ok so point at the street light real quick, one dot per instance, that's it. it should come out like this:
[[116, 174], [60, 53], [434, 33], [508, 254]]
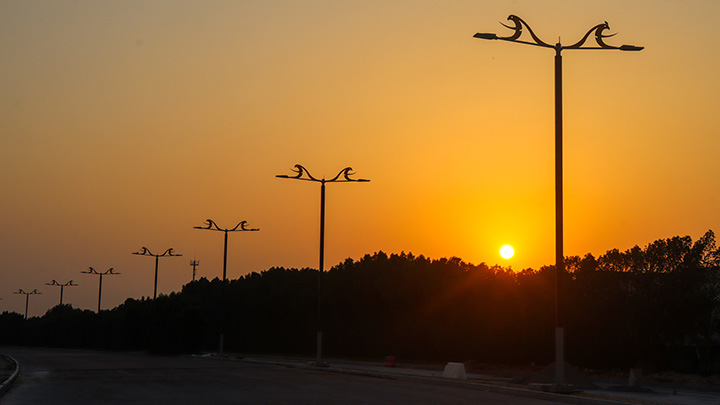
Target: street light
[[212, 226], [109, 272], [62, 286], [146, 252], [303, 174], [559, 255], [27, 298]]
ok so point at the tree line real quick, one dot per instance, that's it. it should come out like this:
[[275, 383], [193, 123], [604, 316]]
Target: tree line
[[657, 306]]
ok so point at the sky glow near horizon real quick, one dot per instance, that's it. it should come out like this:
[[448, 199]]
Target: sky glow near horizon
[[125, 124]]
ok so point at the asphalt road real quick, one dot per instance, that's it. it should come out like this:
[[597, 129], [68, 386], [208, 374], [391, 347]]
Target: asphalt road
[[59, 376]]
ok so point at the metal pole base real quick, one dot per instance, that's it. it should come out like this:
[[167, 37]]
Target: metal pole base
[[220, 350], [559, 355], [319, 362]]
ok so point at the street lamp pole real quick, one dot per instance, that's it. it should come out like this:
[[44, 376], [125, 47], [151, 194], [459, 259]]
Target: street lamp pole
[[302, 173], [109, 272], [146, 252], [598, 30], [62, 286], [212, 226], [27, 298]]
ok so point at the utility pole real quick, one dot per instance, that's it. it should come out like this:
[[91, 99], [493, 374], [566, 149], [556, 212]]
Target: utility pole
[[194, 263]]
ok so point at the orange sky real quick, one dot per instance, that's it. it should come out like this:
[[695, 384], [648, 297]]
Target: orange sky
[[125, 124]]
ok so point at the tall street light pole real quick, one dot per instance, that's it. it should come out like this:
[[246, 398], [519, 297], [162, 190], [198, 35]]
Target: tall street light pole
[[210, 225], [302, 173], [146, 252], [27, 298], [62, 286], [108, 272], [598, 30]]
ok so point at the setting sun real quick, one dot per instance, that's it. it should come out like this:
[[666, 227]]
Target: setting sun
[[406, 113], [507, 251]]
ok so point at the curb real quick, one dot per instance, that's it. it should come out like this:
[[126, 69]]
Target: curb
[[7, 384], [520, 392]]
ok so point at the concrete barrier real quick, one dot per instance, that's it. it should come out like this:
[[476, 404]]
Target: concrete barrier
[[455, 371]]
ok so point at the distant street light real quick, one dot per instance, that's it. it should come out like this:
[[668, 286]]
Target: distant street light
[[146, 252], [212, 226], [27, 298], [109, 272], [62, 286], [559, 255], [300, 173]]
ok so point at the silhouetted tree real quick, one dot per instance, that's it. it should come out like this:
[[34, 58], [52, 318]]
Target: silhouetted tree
[[657, 305]]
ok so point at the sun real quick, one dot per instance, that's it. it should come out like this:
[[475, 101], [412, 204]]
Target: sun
[[507, 251]]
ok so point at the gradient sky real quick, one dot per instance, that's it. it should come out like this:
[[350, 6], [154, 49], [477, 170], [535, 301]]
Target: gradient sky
[[126, 123]]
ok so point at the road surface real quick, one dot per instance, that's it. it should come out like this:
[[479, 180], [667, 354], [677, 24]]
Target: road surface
[[60, 376]]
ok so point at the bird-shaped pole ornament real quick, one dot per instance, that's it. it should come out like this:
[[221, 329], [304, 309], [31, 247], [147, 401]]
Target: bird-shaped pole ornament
[[519, 23]]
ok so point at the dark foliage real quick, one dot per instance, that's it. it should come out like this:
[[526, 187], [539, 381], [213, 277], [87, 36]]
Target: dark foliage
[[657, 306]]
